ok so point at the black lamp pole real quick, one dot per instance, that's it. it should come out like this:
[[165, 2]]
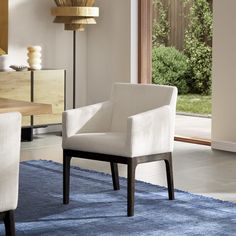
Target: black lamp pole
[[74, 69], [65, 13]]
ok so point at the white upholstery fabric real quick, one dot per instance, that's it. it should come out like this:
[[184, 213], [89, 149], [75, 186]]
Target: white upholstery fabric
[[131, 99], [150, 132], [10, 131], [94, 118], [137, 120], [94, 142]]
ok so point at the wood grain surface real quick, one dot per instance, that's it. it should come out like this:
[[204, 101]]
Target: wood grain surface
[[49, 88], [16, 85], [25, 108], [3, 27]]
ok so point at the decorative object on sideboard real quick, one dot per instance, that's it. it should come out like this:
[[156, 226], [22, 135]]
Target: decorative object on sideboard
[[19, 68], [34, 57], [3, 62], [75, 14]]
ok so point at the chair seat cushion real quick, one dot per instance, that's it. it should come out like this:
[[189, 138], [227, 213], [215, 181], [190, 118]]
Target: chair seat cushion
[[112, 143]]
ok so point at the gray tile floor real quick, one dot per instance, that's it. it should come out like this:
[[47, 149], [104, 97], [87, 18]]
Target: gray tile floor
[[197, 168]]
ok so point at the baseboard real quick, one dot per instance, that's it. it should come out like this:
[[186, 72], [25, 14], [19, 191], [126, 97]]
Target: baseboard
[[193, 140], [224, 146]]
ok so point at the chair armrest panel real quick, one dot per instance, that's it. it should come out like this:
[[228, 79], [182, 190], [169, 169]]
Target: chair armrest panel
[[150, 132]]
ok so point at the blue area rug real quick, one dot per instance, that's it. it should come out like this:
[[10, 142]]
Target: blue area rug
[[95, 209]]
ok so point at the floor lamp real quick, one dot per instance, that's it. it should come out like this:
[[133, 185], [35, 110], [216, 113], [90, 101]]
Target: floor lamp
[[75, 15]]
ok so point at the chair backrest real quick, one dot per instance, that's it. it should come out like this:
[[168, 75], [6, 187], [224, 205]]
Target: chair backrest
[[131, 99], [10, 132]]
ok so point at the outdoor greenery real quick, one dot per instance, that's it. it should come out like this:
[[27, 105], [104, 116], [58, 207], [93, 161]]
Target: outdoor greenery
[[170, 67], [198, 48], [161, 27], [191, 69], [194, 103]]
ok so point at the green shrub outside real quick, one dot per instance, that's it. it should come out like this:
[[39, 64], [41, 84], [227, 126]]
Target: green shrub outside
[[200, 62], [170, 67], [161, 26], [198, 47], [192, 73]]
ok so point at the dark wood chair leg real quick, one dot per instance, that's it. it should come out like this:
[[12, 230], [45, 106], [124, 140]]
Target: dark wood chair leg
[[9, 222], [131, 186], [115, 175], [169, 174], [66, 178]]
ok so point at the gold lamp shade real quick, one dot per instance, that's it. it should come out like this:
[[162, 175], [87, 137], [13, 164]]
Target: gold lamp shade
[[75, 14]]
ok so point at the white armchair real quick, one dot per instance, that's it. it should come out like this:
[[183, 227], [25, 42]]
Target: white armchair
[[135, 126], [10, 131]]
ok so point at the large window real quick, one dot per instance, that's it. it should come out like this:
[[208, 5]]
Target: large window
[[175, 48]]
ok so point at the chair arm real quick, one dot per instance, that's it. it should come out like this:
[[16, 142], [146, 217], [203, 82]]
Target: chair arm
[[10, 132], [150, 132], [93, 118]]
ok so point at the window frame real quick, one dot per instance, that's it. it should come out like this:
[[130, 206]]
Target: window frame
[[145, 8], [145, 41]]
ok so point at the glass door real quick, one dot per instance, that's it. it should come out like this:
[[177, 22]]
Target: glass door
[[182, 56]]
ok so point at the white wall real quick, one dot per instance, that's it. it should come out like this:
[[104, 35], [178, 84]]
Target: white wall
[[30, 23], [106, 52], [112, 56], [224, 76], [112, 48]]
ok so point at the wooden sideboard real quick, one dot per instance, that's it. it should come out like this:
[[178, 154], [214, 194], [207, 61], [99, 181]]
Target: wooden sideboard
[[41, 86], [25, 108]]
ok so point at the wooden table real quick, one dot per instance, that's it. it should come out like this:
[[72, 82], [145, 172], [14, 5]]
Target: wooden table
[[26, 109]]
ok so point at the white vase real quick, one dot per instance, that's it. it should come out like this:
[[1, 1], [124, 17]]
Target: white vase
[[34, 57], [3, 62]]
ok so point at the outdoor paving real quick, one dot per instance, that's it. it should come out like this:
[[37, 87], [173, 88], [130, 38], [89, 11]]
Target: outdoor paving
[[193, 127]]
